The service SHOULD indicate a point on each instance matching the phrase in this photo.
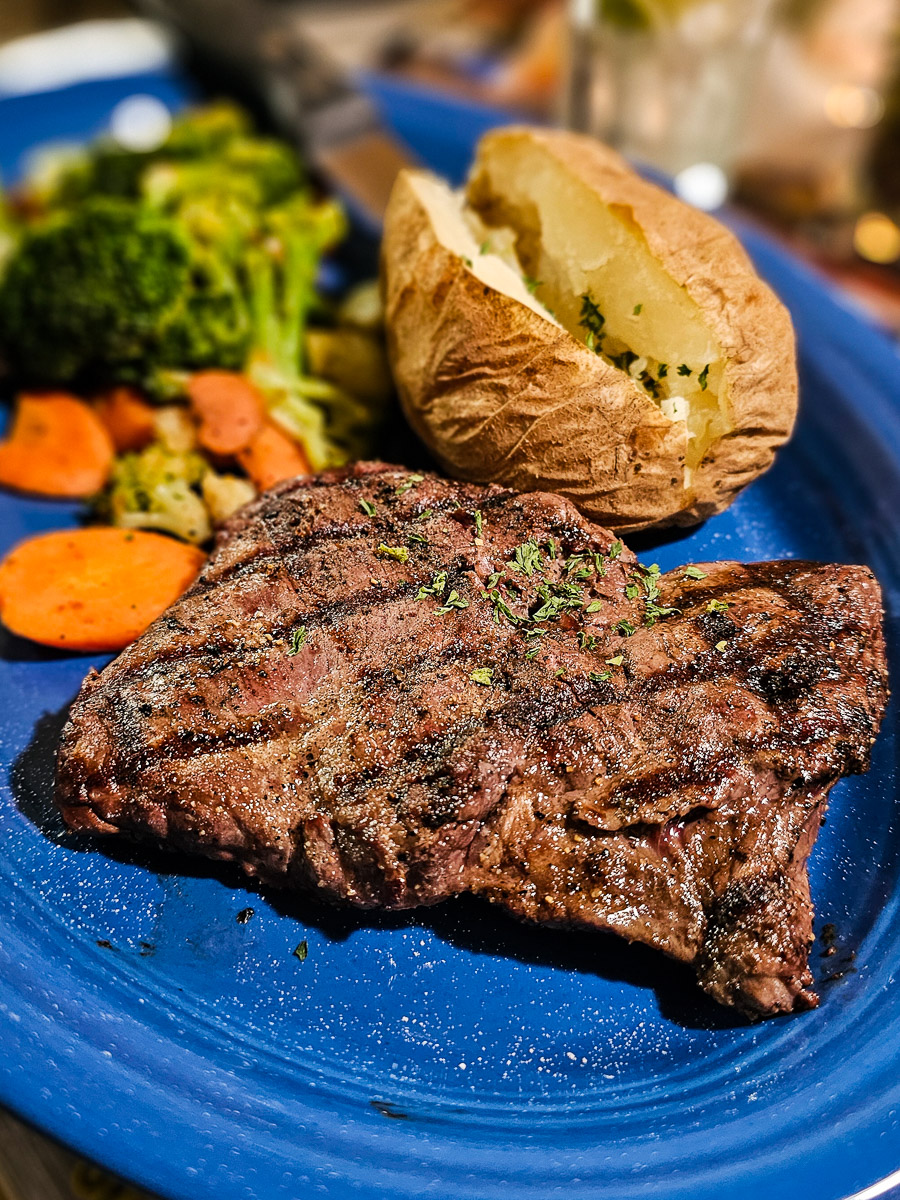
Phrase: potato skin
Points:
(501, 395)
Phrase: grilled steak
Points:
(393, 688)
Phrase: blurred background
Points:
(791, 108)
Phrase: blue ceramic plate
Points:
(452, 1052)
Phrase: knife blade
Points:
(310, 97)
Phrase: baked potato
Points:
(564, 325)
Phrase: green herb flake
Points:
(435, 588)
(368, 507)
(467, 261)
(410, 482)
(454, 600)
(625, 628)
(694, 573)
(302, 950)
(637, 310)
(717, 606)
(526, 558)
(485, 247)
(663, 371)
(532, 653)
(400, 553)
(482, 675)
(684, 369)
(590, 341)
(419, 538)
(594, 606)
(591, 317)
(502, 609)
(559, 672)
(532, 284)
(703, 378)
(614, 550)
(479, 522)
(632, 591)
(551, 548)
(586, 641)
(298, 638)
(599, 676)
(426, 515)
(617, 661)
(492, 580)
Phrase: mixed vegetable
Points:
(161, 308)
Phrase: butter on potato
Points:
(564, 325)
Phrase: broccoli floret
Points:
(114, 291)
(157, 489)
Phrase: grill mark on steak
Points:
(674, 803)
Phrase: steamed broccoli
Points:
(114, 291)
(156, 488)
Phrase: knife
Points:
(263, 43)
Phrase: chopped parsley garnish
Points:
(684, 369)
(302, 950)
(467, 261)
(479, 522)
(426, 515)
(532, 284)
(653, 612)
(590, 341)
(368, 507)
(419, 538)
(485, 248)
(454, 600)
(551, 547)
(409, 482)
(615, 549)
(594, 606)
(526, 558)
(586, 641)
(625, 628)
(532, 653)
(592, 319)
(637, 310)
(501, 608)
(694, 573)
(482, 675)
(617, 661)
(651, 587)
(663, 371)
(492, 580)
(624, 360)
(703, 378)
(401, 553)
(599, 676)
(717, 606)
(559, 672)
(435, 588)
(632, 591)
(298, 638)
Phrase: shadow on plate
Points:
(466, 922)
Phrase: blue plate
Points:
(453, 1052)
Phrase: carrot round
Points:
(92, 589)
(273, 456)
(229, 408)
(56, 446)
(129, 420)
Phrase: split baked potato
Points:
(564, 325)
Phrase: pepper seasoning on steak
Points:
(393, 688)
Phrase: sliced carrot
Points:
(56, 446)
(92, 589)
(273, 456)
(229, 408)
(130, 421)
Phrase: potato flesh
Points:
(455, 232)
(576, 245)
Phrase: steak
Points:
(392, 688)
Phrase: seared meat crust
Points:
(394, 688)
